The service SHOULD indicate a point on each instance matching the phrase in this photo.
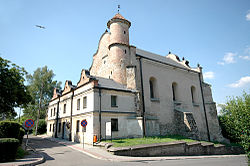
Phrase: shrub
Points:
(42, 127)
(9, 129)
(21, 134)
(8, 149)
(234, 120)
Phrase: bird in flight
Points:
(39, 26)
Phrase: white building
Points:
(139, 92)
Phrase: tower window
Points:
(125, 51)
(124, 32)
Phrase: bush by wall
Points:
(21, 134)
(42, 127)
(9, 129)
(8, 149)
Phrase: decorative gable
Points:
(67, 87)
(85, 77)
(56, 93)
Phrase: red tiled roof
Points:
(119, 16)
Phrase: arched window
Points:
(193, 94)
(174, 90)
(153, 88)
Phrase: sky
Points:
(213, 33)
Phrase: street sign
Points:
(29, 123)
(84, 123)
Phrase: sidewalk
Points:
(102, 154)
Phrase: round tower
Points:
(119, 51)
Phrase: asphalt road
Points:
(60, 155)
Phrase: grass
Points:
(148, 140)
(157, 139)
(20, 153)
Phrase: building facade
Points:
(140, 93)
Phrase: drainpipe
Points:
(71, 112)
(143, 103)
(204, 107)
(100, 115)
(57, 114)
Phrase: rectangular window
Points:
(114, 124)
(77, 125)
(113, 101)
(53, 127)
(78, 104)
(59, 130)
(64, 108)
(50, 126)
(54, 111)
(85, 102)
(51, 113)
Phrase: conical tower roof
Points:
(118, 18)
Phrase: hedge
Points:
(9, 129)
(8, 149)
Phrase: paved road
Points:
(60, 155)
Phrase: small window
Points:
(124, 32)
(114, 124)
(78, 104)
(64, 108)
(59, 128)
(53, 127)
(51, 113)
(174, 89)
(50, 127)
(113, 101)
(84, 102)
(104, 62)
(77, 125)
(125, 51)
(54, 111)
(151, 86)
(193, 93)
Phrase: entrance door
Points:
(63, 129)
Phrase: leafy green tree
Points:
(235, 120)
(40, 86)
(13, 92)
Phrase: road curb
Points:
(41, 160)
(137, 159)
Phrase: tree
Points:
(13, 92)
(40, 86)
(235, 120)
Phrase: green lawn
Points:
(148, 140)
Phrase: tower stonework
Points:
(113, 54)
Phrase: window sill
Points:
(177, 102)
(114, 106)
(155, 100)
(196, 104)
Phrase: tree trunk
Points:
(39, 109)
